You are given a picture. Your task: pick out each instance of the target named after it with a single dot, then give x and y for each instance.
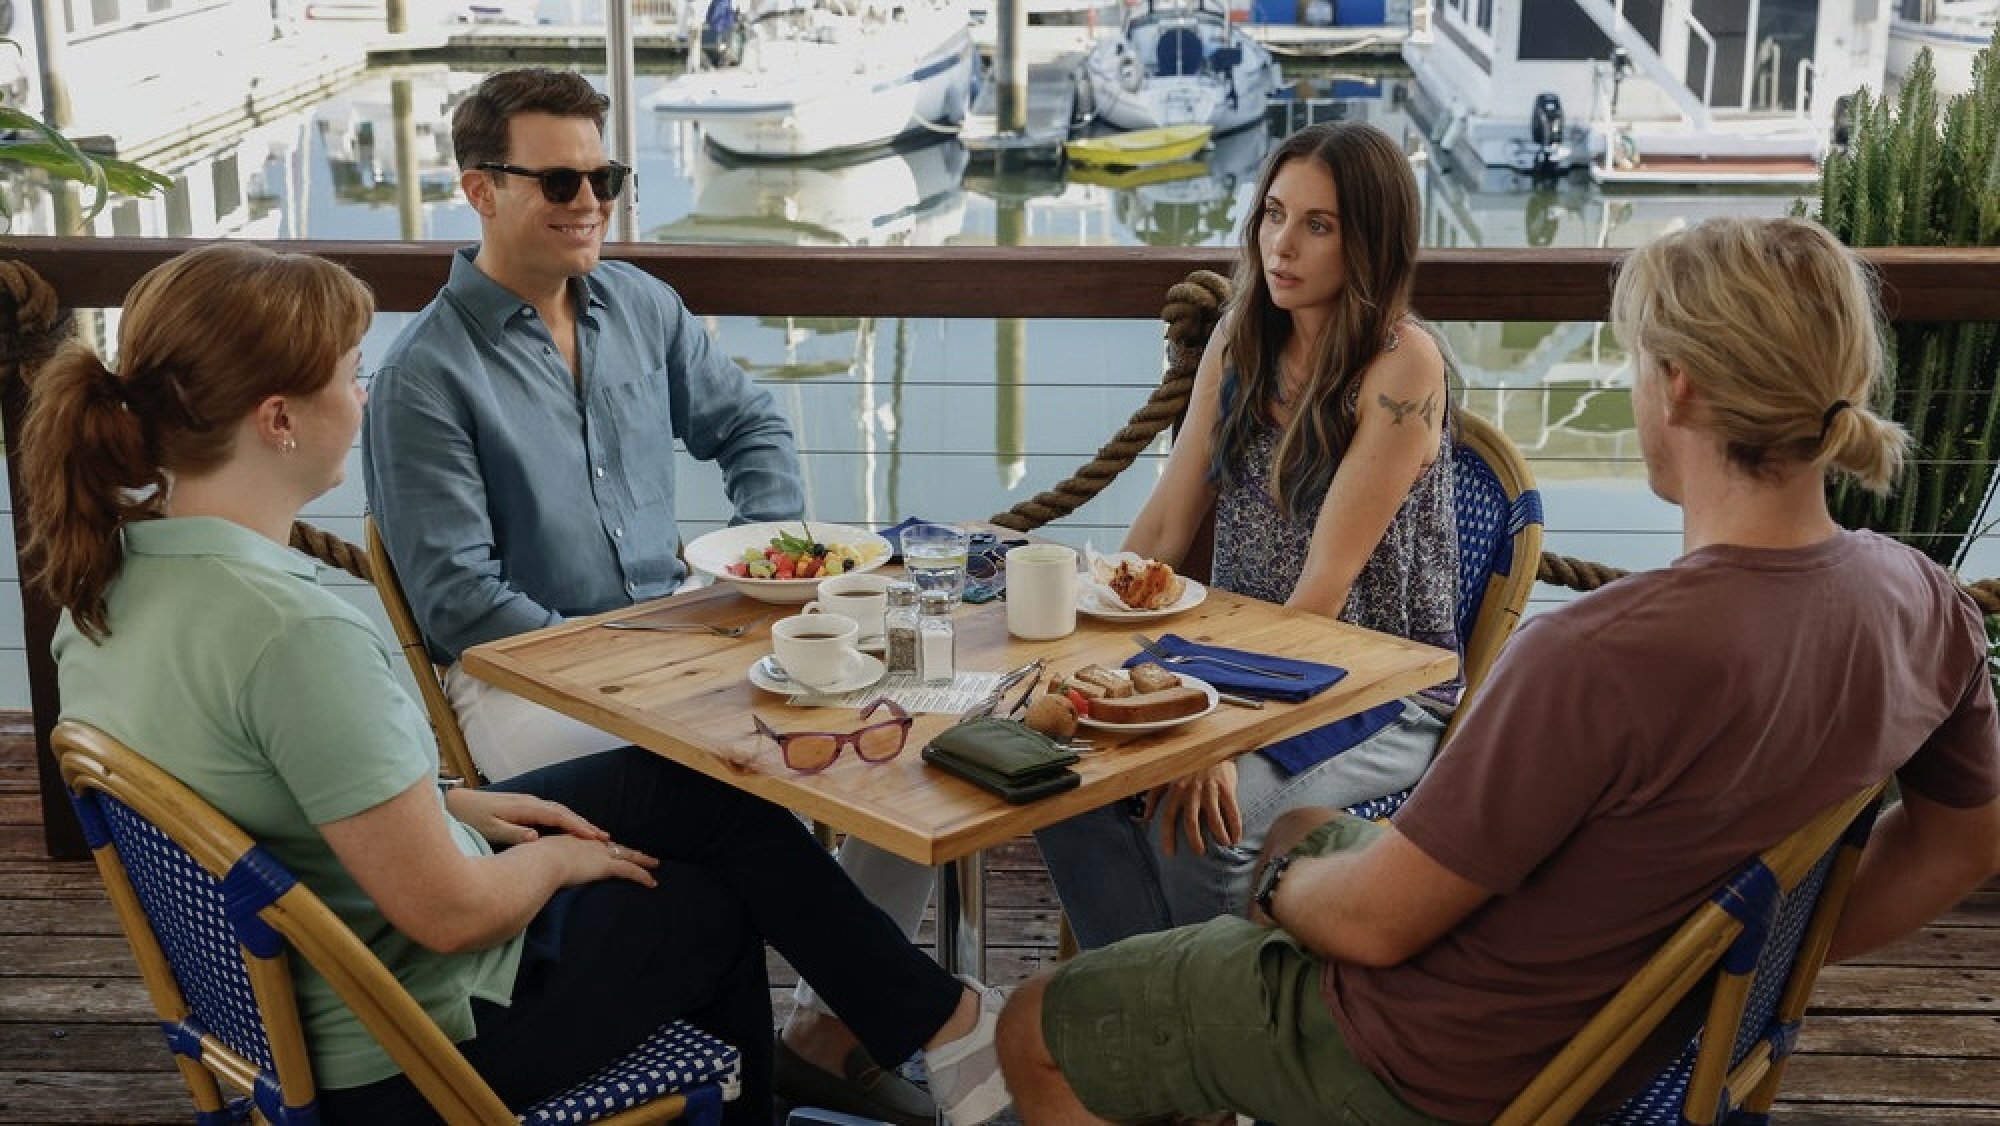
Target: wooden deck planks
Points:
(1910, 1034)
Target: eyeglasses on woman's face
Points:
(560, 185)
(810, 752)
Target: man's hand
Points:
(1204, 800)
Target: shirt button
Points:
(600, 472)
(618, 533)
(527, 310)
(631, 588)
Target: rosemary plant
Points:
(1914, 175)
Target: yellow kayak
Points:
(1140, 147)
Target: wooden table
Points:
(687, 696)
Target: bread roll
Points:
(1053, 716)
(1149, 677)
(1150, 707)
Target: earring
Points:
(289, 444)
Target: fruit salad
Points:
(799, 557)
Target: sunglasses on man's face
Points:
(560, 185)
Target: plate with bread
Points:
(1130, 588)
(1145, 697)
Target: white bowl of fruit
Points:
(784, 561)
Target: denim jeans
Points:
(1115, 879)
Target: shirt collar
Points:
(214, 536)
(491, 305)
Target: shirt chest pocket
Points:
(632, 432)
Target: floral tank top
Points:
(1408, 587)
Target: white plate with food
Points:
(747, 557)
(1096, 603)
(1168, 699)
(1127, 587)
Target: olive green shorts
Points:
(1225, 1015)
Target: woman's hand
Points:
(1205, 799)
(588, 860)
(510, 819)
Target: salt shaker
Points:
(899, 627)
(936, 640)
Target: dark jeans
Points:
(609, 962)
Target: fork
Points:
(1153, 650)
(683, 627)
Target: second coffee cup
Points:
(861, 597)
(816, 650)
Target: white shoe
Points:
(965, 1074)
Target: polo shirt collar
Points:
(491, 305)
(212, 536)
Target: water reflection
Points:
(908, 196)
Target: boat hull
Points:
(806, 107)
(1952, 43)
(1132, 92)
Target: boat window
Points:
(1562, 31)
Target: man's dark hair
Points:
(479, 124)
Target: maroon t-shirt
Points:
(1628, 752)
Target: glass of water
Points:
(935, 555)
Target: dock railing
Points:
(42, 278)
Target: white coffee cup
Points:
(861, 597)
(1041, 591)
(816, 650)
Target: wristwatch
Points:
(1267, 882)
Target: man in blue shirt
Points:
(519, 458)
(519, 449)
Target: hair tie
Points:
(1826, 420)
(114, 387)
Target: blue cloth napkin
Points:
(1317, 677)
(1300, 752)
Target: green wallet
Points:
(1004, 757)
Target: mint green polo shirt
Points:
(232, 669)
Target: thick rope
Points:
(332, 550)
(39, 323)
(1191, 312)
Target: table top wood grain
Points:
(687, 696)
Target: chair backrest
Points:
(1499, 541)
(1761, 938)
(453, 751)
(213, 919)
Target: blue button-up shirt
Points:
(512, 495)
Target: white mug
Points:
(1041, 591)
(816, 650)
(861, 597)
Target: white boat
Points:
(1669, 92)
(831, 76)
(1180, 62)
(1954, 30)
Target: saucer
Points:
(863, 670)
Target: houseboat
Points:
(1644, 91)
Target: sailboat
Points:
(829, 76)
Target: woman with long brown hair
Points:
(1318, 442)
(548, 923)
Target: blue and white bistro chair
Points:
(213, 920)
(1499, 515)
(1758, 945)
